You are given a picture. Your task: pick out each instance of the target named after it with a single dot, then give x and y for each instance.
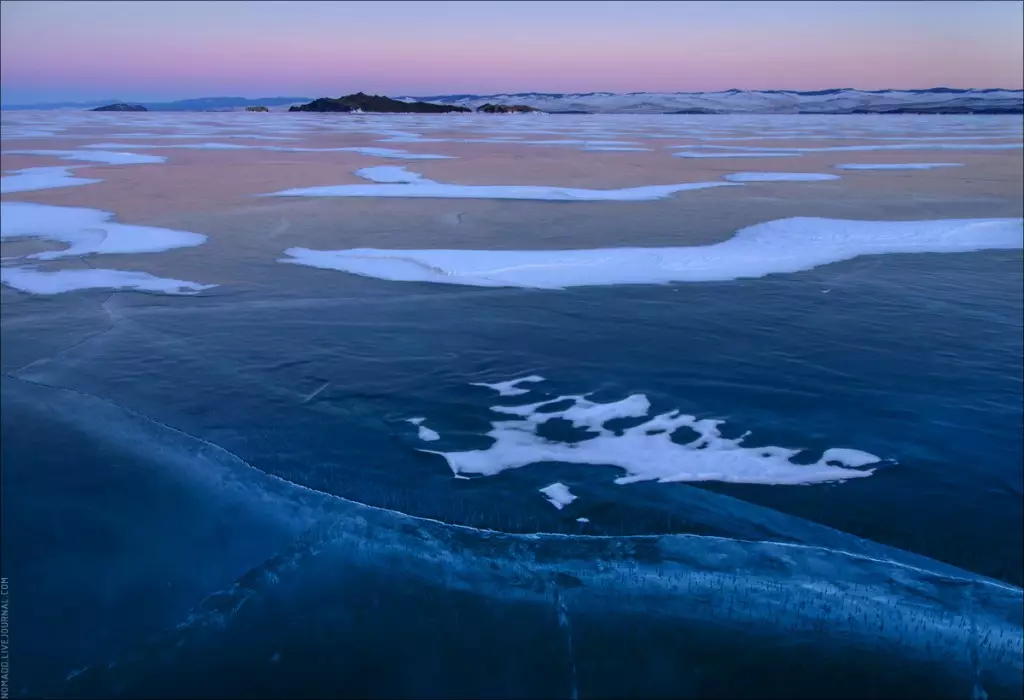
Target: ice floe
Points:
(645, 452)
(895, 166)
(775, 247)
(96, 156)
(29, 279)
(778, 177)
(31, 179)
(401, 183)
(558, 495)
(87, 231)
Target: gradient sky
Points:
(147, 51)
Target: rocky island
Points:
(361, 102)
(505, 109)
(120, 107)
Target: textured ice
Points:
(614, 148)
(558, 495)
(87, 231)
(820, 589)
(778, 177)
(30, 179)
(424, 433)
(745, 154)
(775, 247)
(646, 452)
(29, 279)
(511, 387)
(106, 157)
(895, 166)
(401, 183)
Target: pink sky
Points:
(156, 50)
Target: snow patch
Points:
(558, 495)
(775, 247)
(402, 183)
(895, 166)
(424, 433)
(778, 177)
(31, 179)
(28, 279)
(511, 387)
(87, 231)
(645, 452)
(105, 157)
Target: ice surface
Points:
(645, 452)
(558, 495)
(583, 520)
(895, 166)
(425, 433)
(402, 183)
(106, 157)
(87, 231)
(30, 179)
(778, 177)
(775, 247)
(511, 387)
(745, 154)
(33, 281)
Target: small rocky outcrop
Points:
(361, 102)
(257, 109)
(505, 109)
(120, 107)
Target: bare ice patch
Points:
(558, 495)
(645, 452)
(95, 156)
(895, 166)
(32, 179)
(398, 182)
(778, 177)
(28, 279)
(87, 231)
(424, 433)
(775, 247)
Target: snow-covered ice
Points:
(775, 247)
(558, 495)
(87, 231)
(96, 156)
(29, 279)
(424, 433)
(510, 387)
(31, 179)
(645, 452)
(744, 154)
(895, 166)
(415, 185)
(778, 177)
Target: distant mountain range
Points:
(836, 101)
(939, 100)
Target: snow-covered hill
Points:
(837, 101)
